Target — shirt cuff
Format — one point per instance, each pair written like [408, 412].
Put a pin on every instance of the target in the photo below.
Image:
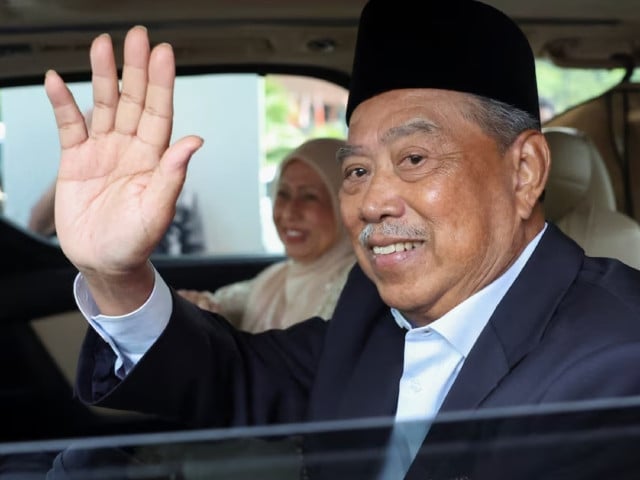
[130, 335]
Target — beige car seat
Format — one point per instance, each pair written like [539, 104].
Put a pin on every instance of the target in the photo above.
[612, 122]
[580, 199]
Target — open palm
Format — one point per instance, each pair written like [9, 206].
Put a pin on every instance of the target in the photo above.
[118, 183]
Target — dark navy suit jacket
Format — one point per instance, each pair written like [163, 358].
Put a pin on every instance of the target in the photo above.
[568, 329]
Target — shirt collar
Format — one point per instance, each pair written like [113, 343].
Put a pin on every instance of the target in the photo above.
[462, 325]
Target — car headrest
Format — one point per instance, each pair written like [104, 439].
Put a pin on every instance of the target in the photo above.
[578, 174]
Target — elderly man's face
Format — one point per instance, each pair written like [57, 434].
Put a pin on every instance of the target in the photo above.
[428, 200]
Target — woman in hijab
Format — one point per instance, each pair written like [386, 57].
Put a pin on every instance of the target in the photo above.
[319, 254]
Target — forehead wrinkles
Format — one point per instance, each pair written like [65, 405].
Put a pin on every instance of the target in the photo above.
[406, 129]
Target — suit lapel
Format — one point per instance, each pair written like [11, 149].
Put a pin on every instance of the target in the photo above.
[519, 321]
[372, 390]
[359, 376]
[515, 328]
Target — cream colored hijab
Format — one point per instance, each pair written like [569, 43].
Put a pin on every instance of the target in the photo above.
[289, 292]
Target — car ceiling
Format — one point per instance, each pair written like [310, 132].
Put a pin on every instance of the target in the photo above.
[39, 34]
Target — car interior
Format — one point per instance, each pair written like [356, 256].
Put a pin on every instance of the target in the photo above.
[255, 78]
[579, 198]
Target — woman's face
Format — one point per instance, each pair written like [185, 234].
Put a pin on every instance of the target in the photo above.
[303, 213]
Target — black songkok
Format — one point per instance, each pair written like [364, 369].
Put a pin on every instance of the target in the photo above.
[460, 45]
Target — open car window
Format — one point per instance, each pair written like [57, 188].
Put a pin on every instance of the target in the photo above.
[249, 123]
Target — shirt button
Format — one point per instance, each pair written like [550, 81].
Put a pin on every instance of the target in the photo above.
[415, 386]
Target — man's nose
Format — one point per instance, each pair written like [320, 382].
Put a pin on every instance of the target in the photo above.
[382, 198]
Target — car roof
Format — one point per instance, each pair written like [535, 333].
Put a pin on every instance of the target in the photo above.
[40, 34]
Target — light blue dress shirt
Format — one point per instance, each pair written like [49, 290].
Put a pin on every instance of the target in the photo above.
[131, 335]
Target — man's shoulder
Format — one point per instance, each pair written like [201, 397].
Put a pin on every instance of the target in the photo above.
[610, 281]
[359, 297]
[602, 305]
[587, 281]
[358, 284]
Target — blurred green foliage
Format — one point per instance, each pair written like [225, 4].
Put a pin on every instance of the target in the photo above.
[566, 87]
[563, 87]
[281, 132]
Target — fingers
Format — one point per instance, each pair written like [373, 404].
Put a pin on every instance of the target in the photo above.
[156, 121]
[105, 84]
[144, 107]
[106, 96]
[71, 126]
[134, 80]
[190, 295]
[206, 304]
[201, 299]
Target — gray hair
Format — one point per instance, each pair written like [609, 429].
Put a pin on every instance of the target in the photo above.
[500, 121]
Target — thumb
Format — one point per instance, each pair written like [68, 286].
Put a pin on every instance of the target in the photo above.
[167, 179]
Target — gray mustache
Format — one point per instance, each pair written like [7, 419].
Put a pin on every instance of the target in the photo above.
[390, 230]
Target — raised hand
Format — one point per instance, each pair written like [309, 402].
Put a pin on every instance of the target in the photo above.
[118, 182]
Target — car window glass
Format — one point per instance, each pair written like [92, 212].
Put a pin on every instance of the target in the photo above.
[573, 440]
[248, 121]
[560, 88]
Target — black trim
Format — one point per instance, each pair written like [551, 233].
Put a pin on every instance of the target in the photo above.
[338, 77]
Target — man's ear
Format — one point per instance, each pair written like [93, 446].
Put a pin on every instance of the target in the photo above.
[531, 161]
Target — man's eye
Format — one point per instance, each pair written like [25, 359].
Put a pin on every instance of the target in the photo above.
[415, 159]
[355, 172]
